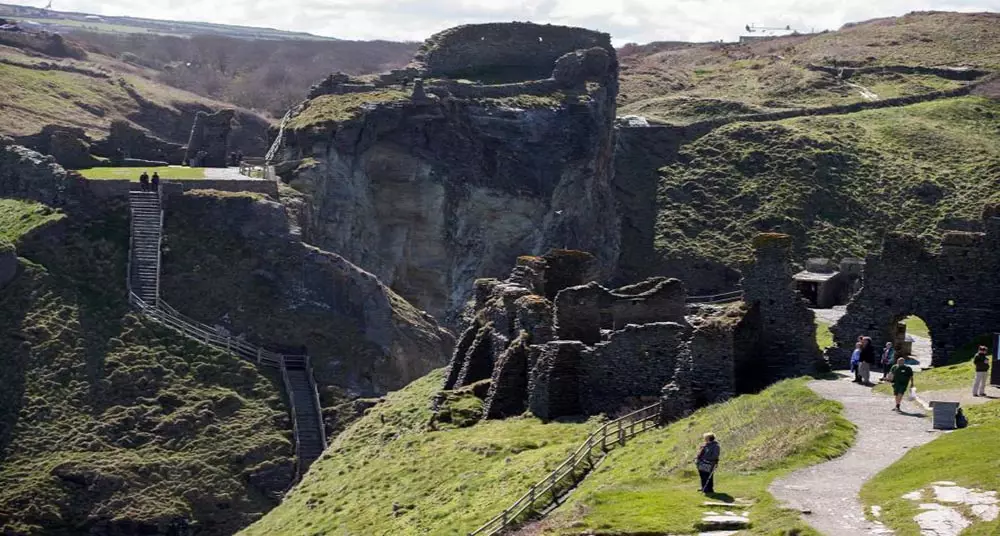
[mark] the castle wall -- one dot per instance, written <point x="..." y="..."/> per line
<point x="635" y="362"/>
<point x="955" y="291"/>
<point x="554" y="385"/>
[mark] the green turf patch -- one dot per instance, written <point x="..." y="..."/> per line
<point x="328" y="109"/>
<point x="18" y="218"/>
<point x="966" y="457"/>
<point x="172" y="173"/>
<point x="916" y="326"/>
<point x="824" y="337"/>
<point x="390" y="474"/>
<point x="651" y="487"/>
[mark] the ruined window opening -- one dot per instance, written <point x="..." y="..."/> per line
<point x="871" y="327"/>
<point x="888" y="302"/>
<point x="951" y="303"/>
<point x="770" y="302"/>
<point x="540" y="40"/>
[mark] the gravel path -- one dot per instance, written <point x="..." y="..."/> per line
<point x="830" y="490"/>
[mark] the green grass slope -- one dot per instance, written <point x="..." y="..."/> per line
<point x="966" y="457"/>
<point x="389" y="474"/>
<point x="112" y="424"/>
<point x="837" y="183"/>
<point x="651" y="487"/>
<point x="18" y="218"/>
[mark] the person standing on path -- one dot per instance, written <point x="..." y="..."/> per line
<point x="144" y="181"/>
<point x="901" y="376"/>
<point x="867" y="360"/>
<point x="706" y="461"/>
<point x="888" y="358"/>
<point x="856" y="362"/>
<point x="155" y="182"/>
<point x="982" y="363"/>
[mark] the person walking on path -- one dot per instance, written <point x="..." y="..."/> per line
<point x="888" y="358"/>
<point x="901" y="376"/>
<point x="155" y="183"/>
<point x="867" y="360"/>
<point x="982" y="363"/>
<point x="706" y="461"/>
<point x="144" y="181"/>
<point x="856" y="362"/>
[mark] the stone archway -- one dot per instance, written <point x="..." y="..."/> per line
<point x="955" y="291"/>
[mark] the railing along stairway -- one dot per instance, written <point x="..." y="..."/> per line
<point x="548" y="491"/>
<point x="296" y="370"/>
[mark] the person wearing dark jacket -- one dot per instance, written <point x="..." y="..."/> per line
<point x="867" y="360"/>
<point x="155" y="182"/>
<point x="144" y="181"/>
<point x="982" y="363"/>
<point x="706" y="461"/>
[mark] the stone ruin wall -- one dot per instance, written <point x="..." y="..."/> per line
<point x="210" y="133"/>
<point x="956" y="291"/>
<point x="551" y="345"/>
<point x="532" y="48"/>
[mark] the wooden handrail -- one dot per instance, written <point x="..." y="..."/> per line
<point x="725" y="297"/>
<point x="511" y="515"/>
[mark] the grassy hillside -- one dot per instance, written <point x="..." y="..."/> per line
<point x="835" y="183"/>
<point x="963" y="456"/>
<point x="114" y="424"/>
<point x="389" y="474"/>
<point x="650" y="486"/>
<point x="100" y="92"/>
<point x="685" y="82"/>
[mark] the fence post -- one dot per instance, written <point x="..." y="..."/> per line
<point x="503" y="518"/>
<point x="604" y="438"/>
<point x="258" y="355"/>
<point x="621" y="433"/>
<point x="531" y="496"/>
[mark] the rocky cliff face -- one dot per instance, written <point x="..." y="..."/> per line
<point x="231" y="260"/>
<point x="433" y="187"/>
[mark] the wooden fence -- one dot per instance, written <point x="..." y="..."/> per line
<point x="565" y="477"/>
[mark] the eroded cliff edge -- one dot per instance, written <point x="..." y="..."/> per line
<point x="497" y="140"/>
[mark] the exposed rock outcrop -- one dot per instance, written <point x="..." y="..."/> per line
<point x="432" y="191"/>
<point x="231" y="260"/>
<point x="29" y="175"/>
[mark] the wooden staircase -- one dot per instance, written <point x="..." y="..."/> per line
<point x="144" y="295"/>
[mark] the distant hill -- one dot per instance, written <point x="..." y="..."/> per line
<point x="64" y="21"/>
<point x="687" y="82"/>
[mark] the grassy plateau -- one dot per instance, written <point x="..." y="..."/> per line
<point x="132" y="173"/>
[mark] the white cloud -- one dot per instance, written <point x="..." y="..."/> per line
<point x="626" y="20"/>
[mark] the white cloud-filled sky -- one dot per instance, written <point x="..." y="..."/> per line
<point x="626" y="20"/>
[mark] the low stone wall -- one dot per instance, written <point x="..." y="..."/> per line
<point x="943" y="72"/>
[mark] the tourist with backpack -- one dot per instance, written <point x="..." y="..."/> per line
<point x="982" y="363"/>
<point x="706" y="462"/>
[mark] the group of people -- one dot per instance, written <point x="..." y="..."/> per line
<point x="149" y="185"/>
<point x="864" y="360"/>
<point x="894" y="370"/>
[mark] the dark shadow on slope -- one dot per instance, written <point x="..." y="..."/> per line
<point x="15" y="302"/>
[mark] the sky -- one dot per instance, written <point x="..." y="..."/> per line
<point x="638" y="21"/>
